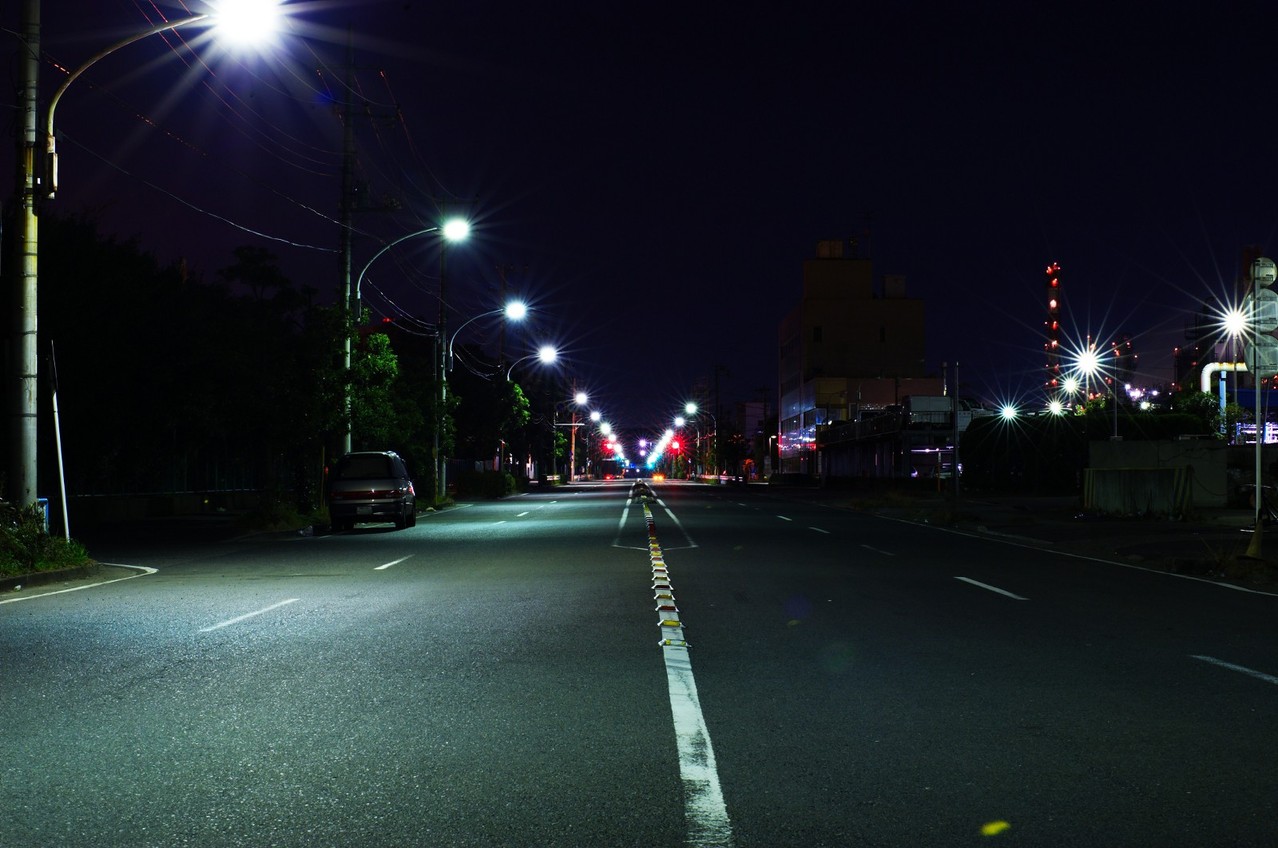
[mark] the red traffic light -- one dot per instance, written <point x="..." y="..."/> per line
<point x="674" y="446"/>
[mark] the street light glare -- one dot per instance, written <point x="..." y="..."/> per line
<point x="547" y="354"/>
<point x="516" y="311"/>
<point x="1235" y="322"/>
<point x="247" y="21"/>
<point x="580" y="398"/>
<point x="456" y="229"/>
<point x="691" y="408"/>
<point x="1088" y="362"/>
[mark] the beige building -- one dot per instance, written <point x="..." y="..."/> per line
<point x="849" y="349"/>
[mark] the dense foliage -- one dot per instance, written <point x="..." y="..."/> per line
<point x="172" y="382"/>
<point x="26" y="546"/>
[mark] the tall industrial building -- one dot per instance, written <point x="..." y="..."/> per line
<point x="848" y="347"/>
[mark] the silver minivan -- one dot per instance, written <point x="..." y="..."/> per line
<point x="371" y="486"/>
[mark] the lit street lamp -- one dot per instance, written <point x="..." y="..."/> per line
<point x="452" y="230"/>
<point x="514" y="311"/>
<point x="546" y="354"/>
<point x="233" y="19"/>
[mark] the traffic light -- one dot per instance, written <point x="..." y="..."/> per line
<point x="674" y="445"/>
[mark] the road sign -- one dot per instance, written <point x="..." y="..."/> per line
<point x="1265" y="318"/>
<point x="1261" y="355"/>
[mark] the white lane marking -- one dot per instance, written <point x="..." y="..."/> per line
<point x="392" y="562"/>
<point x="1259" y="675"/>
<point x="621" y="525"/>
<point x="679" y="524"/>
<point x="783" y="518"/>
<point x="819" y="530"/>
<point x="705" y="810"/>
<point x="991" y="588"/>
<point x="1086" y="557"/>
<point x="503" y="521"/>
<point x="143" y="569"/>
<point x="247" y="615"/>
<point x="878" y="551"/>
<point x="522" y="514"/>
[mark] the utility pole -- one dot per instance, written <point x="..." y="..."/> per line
<point x="23" y="468"/>
<point x="348" y="306"/>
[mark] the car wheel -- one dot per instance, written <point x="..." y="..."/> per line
<point x="401" y="522"/>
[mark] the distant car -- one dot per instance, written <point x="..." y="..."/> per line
<point x="371" y="486"/>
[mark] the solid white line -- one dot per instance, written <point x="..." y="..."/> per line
<point x="621" y="525"/>
<point x="1259" y="675"/>
<point x="145" y="570"/>
<point x="991" y="588"/>
<point x="238" y="619"/>
<point x="819" y="530"/>
<point x="877" y="551"/>
<point x="679" y="524"/>
<point x="392" y="562"/>
<point x="705" y="810"/>
<point x="783" y="518"/>
<point x="1086" y="557"/>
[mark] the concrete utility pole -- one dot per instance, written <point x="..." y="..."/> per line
<point x="23" y="469"/>
<point x="350" y="307"/>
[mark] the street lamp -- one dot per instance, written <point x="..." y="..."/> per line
<point x="243" y="21"/>
<point x="694" y="411"/>
<point x="232" y="19"/>
<point x="514" y="311"/>
<point x="1088" y="363"/>
<point x="546" y="354"/>
<point x="451" y="230"/>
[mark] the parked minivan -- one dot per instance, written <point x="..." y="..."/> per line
<point x="371" y="486"/>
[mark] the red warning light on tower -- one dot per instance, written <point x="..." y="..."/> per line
<point x="1053" y="324"/>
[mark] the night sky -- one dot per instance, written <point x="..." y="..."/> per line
<point x="651" y="176"/>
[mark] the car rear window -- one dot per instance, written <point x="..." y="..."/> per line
<point x="361" y="467"/>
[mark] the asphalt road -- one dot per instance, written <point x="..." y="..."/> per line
<point x="494" y="676"/>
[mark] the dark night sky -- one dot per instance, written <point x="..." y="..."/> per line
<point x="655" y="174"/>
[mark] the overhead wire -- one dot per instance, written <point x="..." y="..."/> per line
<point x="189" y="204"/>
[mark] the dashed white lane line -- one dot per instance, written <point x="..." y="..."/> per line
<point x="522" y="514"/>
<point x="783" y="518"/>
<point x="705" y="810"/>
<point x="819" y="530"/>
<point x="878" y="551"/>
<point x="1259" y="675"/>
<point x="990" y="588"/>
<point x="248" y="615"/>
<point x="387" y="565"/>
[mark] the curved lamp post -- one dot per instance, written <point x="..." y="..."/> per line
<point x="234" y="16"/>
<point x="546" y="353"/>
<point x="514" y="311"/>
<point x="453" y="230"/>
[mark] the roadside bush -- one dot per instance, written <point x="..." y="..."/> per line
<point x="486" y="484"/>
<point x="277" y="513"/>
<point x="25" y="547"/>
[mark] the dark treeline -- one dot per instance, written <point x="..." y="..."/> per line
<point x="173" y="381"/>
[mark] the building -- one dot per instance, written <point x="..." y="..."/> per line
<point x="850" y="348"/>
